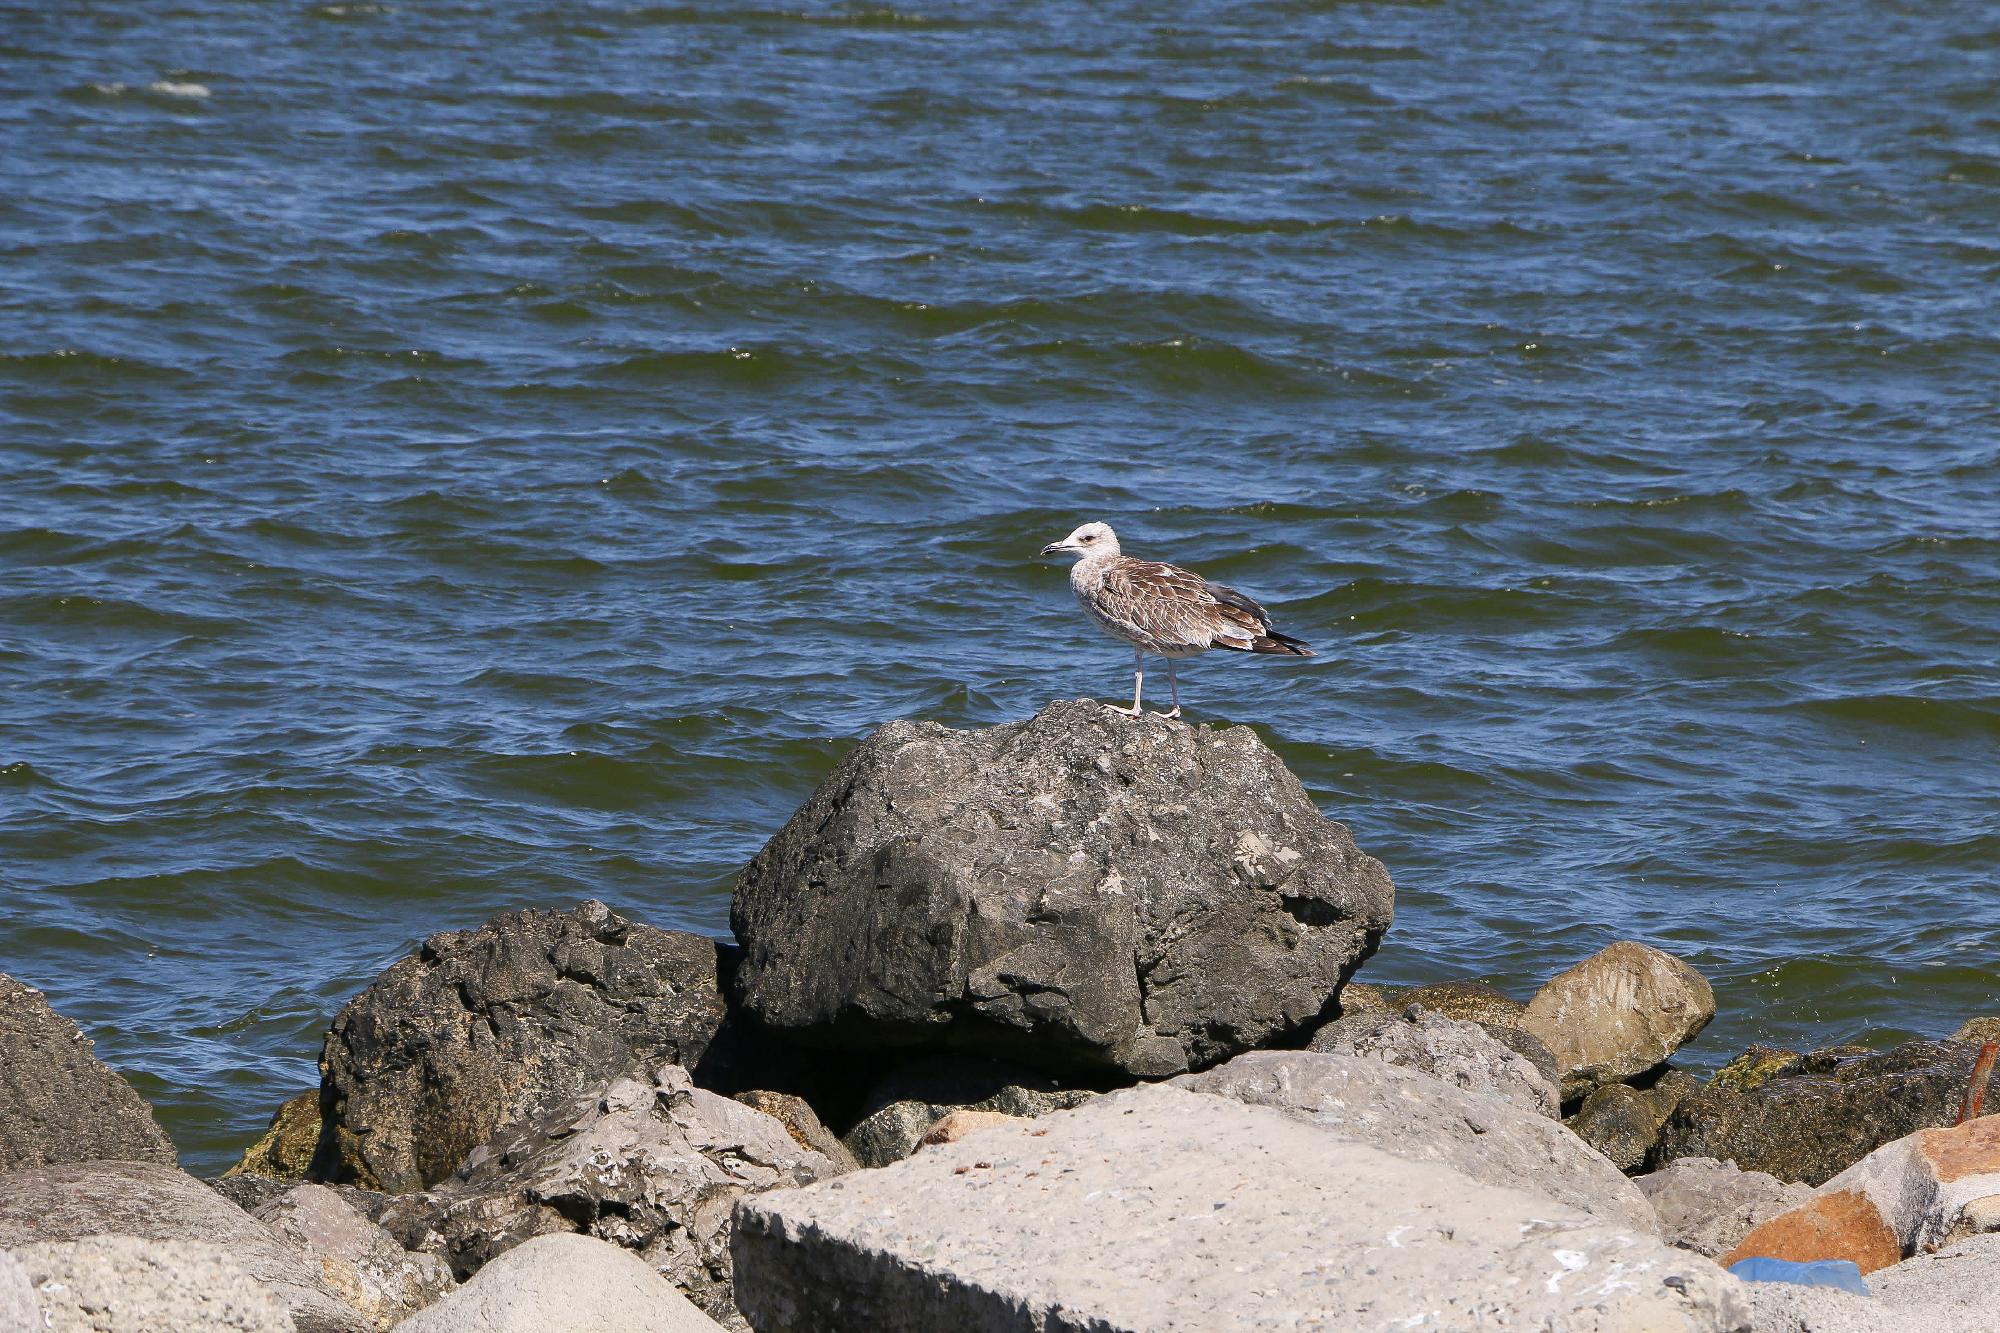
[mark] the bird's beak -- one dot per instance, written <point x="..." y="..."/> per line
<point x="1054" y="548"/>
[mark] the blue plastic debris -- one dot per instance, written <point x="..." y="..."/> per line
<point x="1841" y="1273"/>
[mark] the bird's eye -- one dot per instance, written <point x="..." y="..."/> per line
<point x="1088" y="537"/>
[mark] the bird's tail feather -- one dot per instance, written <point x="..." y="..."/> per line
<point x="1273" y="642"/>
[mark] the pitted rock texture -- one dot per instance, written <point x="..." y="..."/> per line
<point x="654" y="1164"/>
<point x="1464" y="1054"/>
<point x="163" y="1203"/>
<point x="129" y="1284"/>
<point x="363" y="1263"/>
<point x="1618" y="1013"/>
<point x="1077" y="890"/>
<point x="1708" y="1206"/>
<point x="58" y="1101"/>
<point x="1411" y="1114"/>
<point x="481" y="1028"/>
<point x="1822" y="1113"/>
<point x="1157" y="1208"/>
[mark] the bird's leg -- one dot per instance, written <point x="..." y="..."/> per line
<point x="1174" y="685"/>
<point x="1138" y="683"/>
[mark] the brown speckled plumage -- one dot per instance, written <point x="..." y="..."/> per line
<point x="1163" y="609"/>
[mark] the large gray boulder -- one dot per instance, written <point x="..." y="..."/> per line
<point x="1157" y="1208"/>
<point x="161" y="1203"/>
<point x="1808" y="1118"/>
<point x="1460" y="1053"/>
<point x="1708" y="1206"/>
<point x="1077" y="890"/>
<point x="58" y="1101"/>
<point x="1618" y="1013"/>
<point x="654" y="1164"/>
<point x="361" y="1262"/>
<point x="481" y="1028"/>
<point x="1413" y="1115"/>
<point x="127" y="1284"/>
<point x="563" y="1282"/>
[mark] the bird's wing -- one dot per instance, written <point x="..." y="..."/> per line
<point x="1179" y="608"/>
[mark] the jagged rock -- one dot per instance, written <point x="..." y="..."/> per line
<point x="1529" y="1047"/>
<point x="481" y="1028"/>
<point x="564" y="1282"/>
<point x="127" y="1284"/>
<point x="161" y="1203"/>
<point x="1980" y="1030"/>
<point x="1708" y="1206"/>
<point x="1410" y="1114"/>
<point x="286" y="1150"/>
<point x="1460" y="1053"/>
<point x="955" y="1125"/>
<point x="362" y="1263"/>
<point x="1906" y="1197"/>
<point x="1470" y="1001"/>
<point x="1624" y="1122"/>
<point x="800" y="1121"/>
<point x="906" y="1104"/>
<point x="653" y="1164"/>
<point x="1159" y="1208"/>
<point x="1828" y="1113"/>
<point x="58" y="1101"/>
<point x="1618" y="1013"/>
<point x="1079" y="890"/>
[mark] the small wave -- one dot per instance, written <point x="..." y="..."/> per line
<point x="1909" y="712"/>
<point x="173" y="88"/>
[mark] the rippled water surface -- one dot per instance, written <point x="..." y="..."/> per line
<point x="463" y="455"/>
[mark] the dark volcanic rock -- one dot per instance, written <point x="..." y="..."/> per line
<point x="1077" y="890"/>
<point x="480" y="1028"/>
<point x="1827" y="1111"/>
<point x="58" y="1101"/>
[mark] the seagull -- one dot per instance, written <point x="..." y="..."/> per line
<point x="1162" y="609"/>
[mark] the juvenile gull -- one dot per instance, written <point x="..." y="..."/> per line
<point x="1163" y="610"/>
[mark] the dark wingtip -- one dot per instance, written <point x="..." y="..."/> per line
<point x="1281" y="643"/>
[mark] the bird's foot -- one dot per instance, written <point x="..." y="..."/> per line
<point x="1123" y="712"/>
<point x="1170" y="715"/>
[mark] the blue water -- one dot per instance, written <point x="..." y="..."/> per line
<point x="464" y="455"/>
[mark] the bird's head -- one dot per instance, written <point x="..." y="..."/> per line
<point x="1090" y="539"/>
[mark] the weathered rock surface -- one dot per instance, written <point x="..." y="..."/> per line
<point x="361" y="1262"/>
<point x="1157" y="1208"/>
<point x="481" y="1028"/>
<point x="18" y="1307"/>
<point x="1828" y="1112"/>
<point x="1076" y="890"/>
<point x="58" y="1101"/>
<point x="564" y="1282"/>
<point x="126" y="1284"/>
<point x="1947" y="1292"/>
<point x="1624" y="1122"/>
<point x="1979" y="1030"/>
<point x="1469" y="1001"/>
<point x="287" y="1148"/>
<point x="653" y="1164"/>
<point x="1708" y="1206"/>
<point x="1358" y="997"/>
<point x="1618" y="1013"/>
<point x="905" y="1105"/>
<point x="1906" y="1197"/>
<point x="1412" y="1115"/>
<point x="802" y="1123"/>
<point x="161" y="1203"/>
<point x="1462" y="1054"/>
